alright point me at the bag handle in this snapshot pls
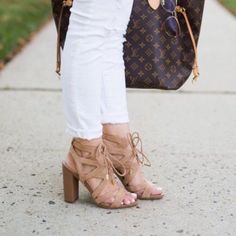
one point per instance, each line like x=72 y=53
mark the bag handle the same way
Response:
x=65 y=3
x=196 y=73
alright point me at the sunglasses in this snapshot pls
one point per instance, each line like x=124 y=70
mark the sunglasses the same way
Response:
x=171 y=24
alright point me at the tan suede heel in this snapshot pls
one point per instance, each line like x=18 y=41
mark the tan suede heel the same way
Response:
x=102 y=169
x=70 y=183
x=124 y=149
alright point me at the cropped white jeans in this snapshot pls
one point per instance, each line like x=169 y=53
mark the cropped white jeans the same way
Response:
x=92 y=70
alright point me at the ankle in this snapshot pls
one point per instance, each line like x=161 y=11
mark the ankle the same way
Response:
x=92 y=141
x=118 y=129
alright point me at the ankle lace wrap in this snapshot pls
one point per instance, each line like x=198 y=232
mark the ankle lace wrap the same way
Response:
x=134 y=139
x=99 y=157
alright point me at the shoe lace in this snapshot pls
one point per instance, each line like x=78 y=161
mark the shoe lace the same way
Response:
x=134 y=140
x=102 y=151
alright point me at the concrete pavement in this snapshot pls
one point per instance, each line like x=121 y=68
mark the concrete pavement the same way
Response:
x=189 y=136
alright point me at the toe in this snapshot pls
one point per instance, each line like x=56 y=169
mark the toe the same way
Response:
x=134 y=195
x=126 y=201
x=110 y=200
x=157 y=190
x=130 y=198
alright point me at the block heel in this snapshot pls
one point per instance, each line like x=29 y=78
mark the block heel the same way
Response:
x=71 y=185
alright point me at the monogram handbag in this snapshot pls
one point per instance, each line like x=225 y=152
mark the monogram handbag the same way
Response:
x=160 y=50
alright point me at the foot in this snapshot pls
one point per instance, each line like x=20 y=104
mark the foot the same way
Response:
x=138 y=178
x=94 y=182
x=124 y=149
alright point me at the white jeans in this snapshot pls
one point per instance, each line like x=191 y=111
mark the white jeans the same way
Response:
x=92 y=70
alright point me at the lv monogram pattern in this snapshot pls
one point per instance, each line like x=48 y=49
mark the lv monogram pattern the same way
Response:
x=152 y=58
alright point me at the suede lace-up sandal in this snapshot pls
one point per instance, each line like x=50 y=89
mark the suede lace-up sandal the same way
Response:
x=124 y=149
x=100 y=167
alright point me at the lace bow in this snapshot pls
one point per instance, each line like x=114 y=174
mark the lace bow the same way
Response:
x=102 y=150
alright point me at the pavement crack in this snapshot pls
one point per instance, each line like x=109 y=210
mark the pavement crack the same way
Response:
x=30 y=89
x=129 y=90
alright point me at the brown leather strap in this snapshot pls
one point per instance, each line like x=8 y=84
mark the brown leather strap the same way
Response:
x=65 y=3
x=196 y=73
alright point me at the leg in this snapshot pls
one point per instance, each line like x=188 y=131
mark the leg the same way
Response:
x=114 y=110
x=81 y=73
x=82 y=67
x=115 y=118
